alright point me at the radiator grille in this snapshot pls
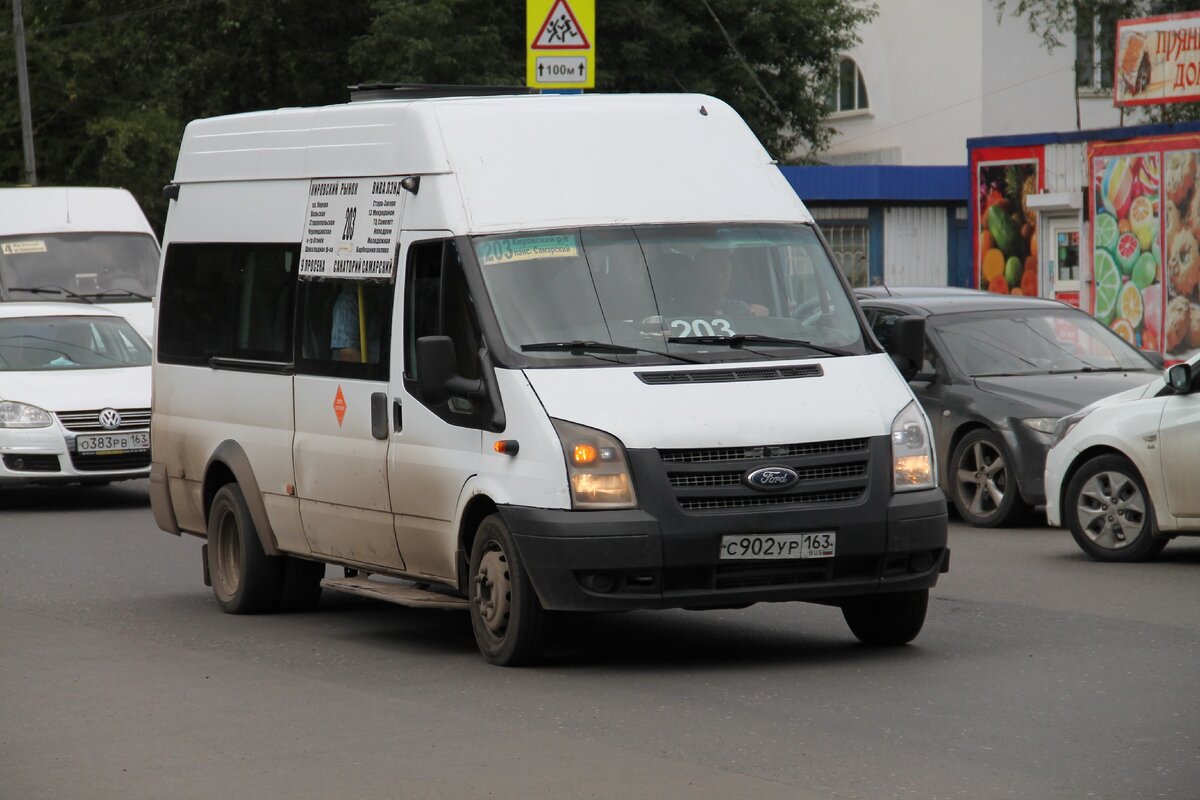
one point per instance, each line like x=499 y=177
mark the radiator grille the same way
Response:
x=756 y=500
x=132 y=419
x=706 y=455
x=685 y=479
x=713 y=480
x=120 y=461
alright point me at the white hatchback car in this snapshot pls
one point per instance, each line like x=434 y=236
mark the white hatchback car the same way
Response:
x=1123 y=472
x=74 y=395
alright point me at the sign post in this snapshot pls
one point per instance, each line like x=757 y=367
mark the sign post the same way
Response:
x=560 y=42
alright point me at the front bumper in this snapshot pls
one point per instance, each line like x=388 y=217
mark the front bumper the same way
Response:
x=47 y=456
x=1029 y=449
x=623 y=560
x=1058 y=462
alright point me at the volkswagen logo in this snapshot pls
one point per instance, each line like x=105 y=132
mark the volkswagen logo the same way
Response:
x=771 y=479
x=110 y=419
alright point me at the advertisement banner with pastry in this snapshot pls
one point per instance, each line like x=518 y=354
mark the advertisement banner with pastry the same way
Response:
x=1157 y=60
x=1145 y=229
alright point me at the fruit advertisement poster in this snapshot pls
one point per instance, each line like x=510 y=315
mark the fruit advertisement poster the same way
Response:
x=1144 y=233
x=1007 y=232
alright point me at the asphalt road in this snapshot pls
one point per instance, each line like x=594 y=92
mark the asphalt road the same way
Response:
x=1039 y=675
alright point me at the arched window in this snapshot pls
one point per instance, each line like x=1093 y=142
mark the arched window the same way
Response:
x=849 y=92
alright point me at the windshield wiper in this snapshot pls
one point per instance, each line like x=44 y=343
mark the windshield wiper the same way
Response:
x=50 y=290
x=581 y=347
x=120 y=293
x=1094 y=369
x=740 y=340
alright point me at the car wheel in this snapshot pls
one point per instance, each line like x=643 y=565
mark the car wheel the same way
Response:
x=301 y=589
x=244 y=578
x=506 y=615
x=983 y=484
x=887 y=619
x=1109 y=511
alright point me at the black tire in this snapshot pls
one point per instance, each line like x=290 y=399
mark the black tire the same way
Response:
x=245 y=580
x=301 y=590
x=506 y=615
x=1110 y=513
x=887 y=619
x=983 y=483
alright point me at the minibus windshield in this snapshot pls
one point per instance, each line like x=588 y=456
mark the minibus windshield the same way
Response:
x=705 y=292
x=109 y=267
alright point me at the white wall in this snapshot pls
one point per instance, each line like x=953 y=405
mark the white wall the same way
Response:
x=939 y=72
x=914 y=246
x=920 y=60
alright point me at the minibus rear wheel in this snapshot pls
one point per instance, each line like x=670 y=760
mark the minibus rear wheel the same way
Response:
x=245 y=579
x=506 y=615
x=888 y=619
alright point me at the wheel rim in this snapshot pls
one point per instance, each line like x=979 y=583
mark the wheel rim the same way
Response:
x=982 y=478
x=229 y=551
x=1111 y=509
x=493 y=591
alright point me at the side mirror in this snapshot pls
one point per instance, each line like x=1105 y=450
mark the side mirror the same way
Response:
x=1179 y=378
x=907 y=345
x=436 y=365
x=437 y=372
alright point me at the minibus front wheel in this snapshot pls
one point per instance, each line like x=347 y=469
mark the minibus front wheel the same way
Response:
x=506 y=615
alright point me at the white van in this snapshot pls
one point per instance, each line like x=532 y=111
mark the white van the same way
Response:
x=91 y=245
x=604 y=362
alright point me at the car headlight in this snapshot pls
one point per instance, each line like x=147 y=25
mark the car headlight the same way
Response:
x=597 y=471
x=1041 y=424
x=912 y=451
x=22 y=415
x=1067 y=423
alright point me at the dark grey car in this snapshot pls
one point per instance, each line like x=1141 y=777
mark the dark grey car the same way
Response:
x=999 y=371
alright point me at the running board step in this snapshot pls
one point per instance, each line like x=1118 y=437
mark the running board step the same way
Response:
x=405 y=594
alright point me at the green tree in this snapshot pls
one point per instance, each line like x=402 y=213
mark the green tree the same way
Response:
x=772 y=60
x=114 y=82
x=1054 y=19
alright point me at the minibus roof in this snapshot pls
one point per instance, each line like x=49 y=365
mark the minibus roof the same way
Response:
x=70 y=209
x=519 y=161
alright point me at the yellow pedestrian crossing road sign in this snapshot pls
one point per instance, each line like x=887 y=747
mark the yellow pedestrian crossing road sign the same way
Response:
x=560 y=44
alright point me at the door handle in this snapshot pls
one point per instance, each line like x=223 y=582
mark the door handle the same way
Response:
x=379 y=416
x=397 y=416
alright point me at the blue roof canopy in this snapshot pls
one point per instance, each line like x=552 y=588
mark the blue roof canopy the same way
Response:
x=860 y=184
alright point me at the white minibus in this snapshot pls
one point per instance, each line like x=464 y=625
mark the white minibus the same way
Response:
x=83 y=244
x=526 y=354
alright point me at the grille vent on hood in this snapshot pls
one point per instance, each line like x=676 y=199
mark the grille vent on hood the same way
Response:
x=731 y=375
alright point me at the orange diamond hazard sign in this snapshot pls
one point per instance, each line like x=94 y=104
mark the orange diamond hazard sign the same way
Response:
x=339 y=406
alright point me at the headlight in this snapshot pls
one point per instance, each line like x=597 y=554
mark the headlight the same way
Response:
x=1041 y=424
x=20 y=415
x=596 y=468
x=1068 y=422
x=912 y=452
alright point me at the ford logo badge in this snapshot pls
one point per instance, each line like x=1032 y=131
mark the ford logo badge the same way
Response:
x=771 y=479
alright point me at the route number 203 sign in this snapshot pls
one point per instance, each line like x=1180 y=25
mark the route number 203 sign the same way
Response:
x=717 y=326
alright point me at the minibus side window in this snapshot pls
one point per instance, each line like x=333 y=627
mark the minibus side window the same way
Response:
x=227 y=301
x=343 y=328
x=437 y=302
